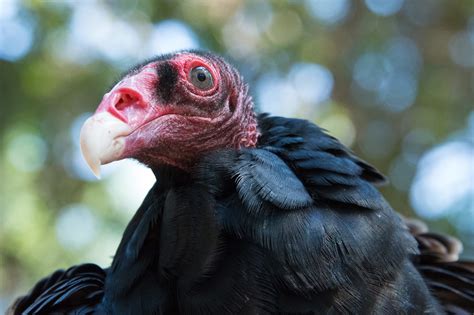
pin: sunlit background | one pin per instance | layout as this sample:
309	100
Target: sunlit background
392	79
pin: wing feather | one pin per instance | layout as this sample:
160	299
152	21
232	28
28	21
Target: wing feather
76	290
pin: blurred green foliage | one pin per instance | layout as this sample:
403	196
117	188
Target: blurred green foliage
69	63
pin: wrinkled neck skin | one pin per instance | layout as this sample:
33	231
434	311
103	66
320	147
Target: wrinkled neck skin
233	127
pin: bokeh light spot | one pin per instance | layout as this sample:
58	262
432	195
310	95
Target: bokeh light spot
390	77
370	71
76	226
398	92
329	11
96	33
286	27
128	185
27	152
404	55
313	82
170	36
9	9
276	95
306	84
384	7
444	180
242	34
16	37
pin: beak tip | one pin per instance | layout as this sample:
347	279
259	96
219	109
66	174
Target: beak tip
97	174
93	164
101	140
95	168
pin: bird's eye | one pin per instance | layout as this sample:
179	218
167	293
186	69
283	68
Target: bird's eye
201	78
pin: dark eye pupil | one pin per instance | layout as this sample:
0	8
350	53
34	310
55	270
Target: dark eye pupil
201	76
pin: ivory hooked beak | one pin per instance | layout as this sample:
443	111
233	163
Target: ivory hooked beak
103	140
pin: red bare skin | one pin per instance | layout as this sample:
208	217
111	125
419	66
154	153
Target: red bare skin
192	121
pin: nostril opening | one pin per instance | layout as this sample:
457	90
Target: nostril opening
125	100
119	104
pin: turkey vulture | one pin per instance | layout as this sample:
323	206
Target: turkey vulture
250	214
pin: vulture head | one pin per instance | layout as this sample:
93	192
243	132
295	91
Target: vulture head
170	111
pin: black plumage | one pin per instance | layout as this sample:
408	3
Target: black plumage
293	226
